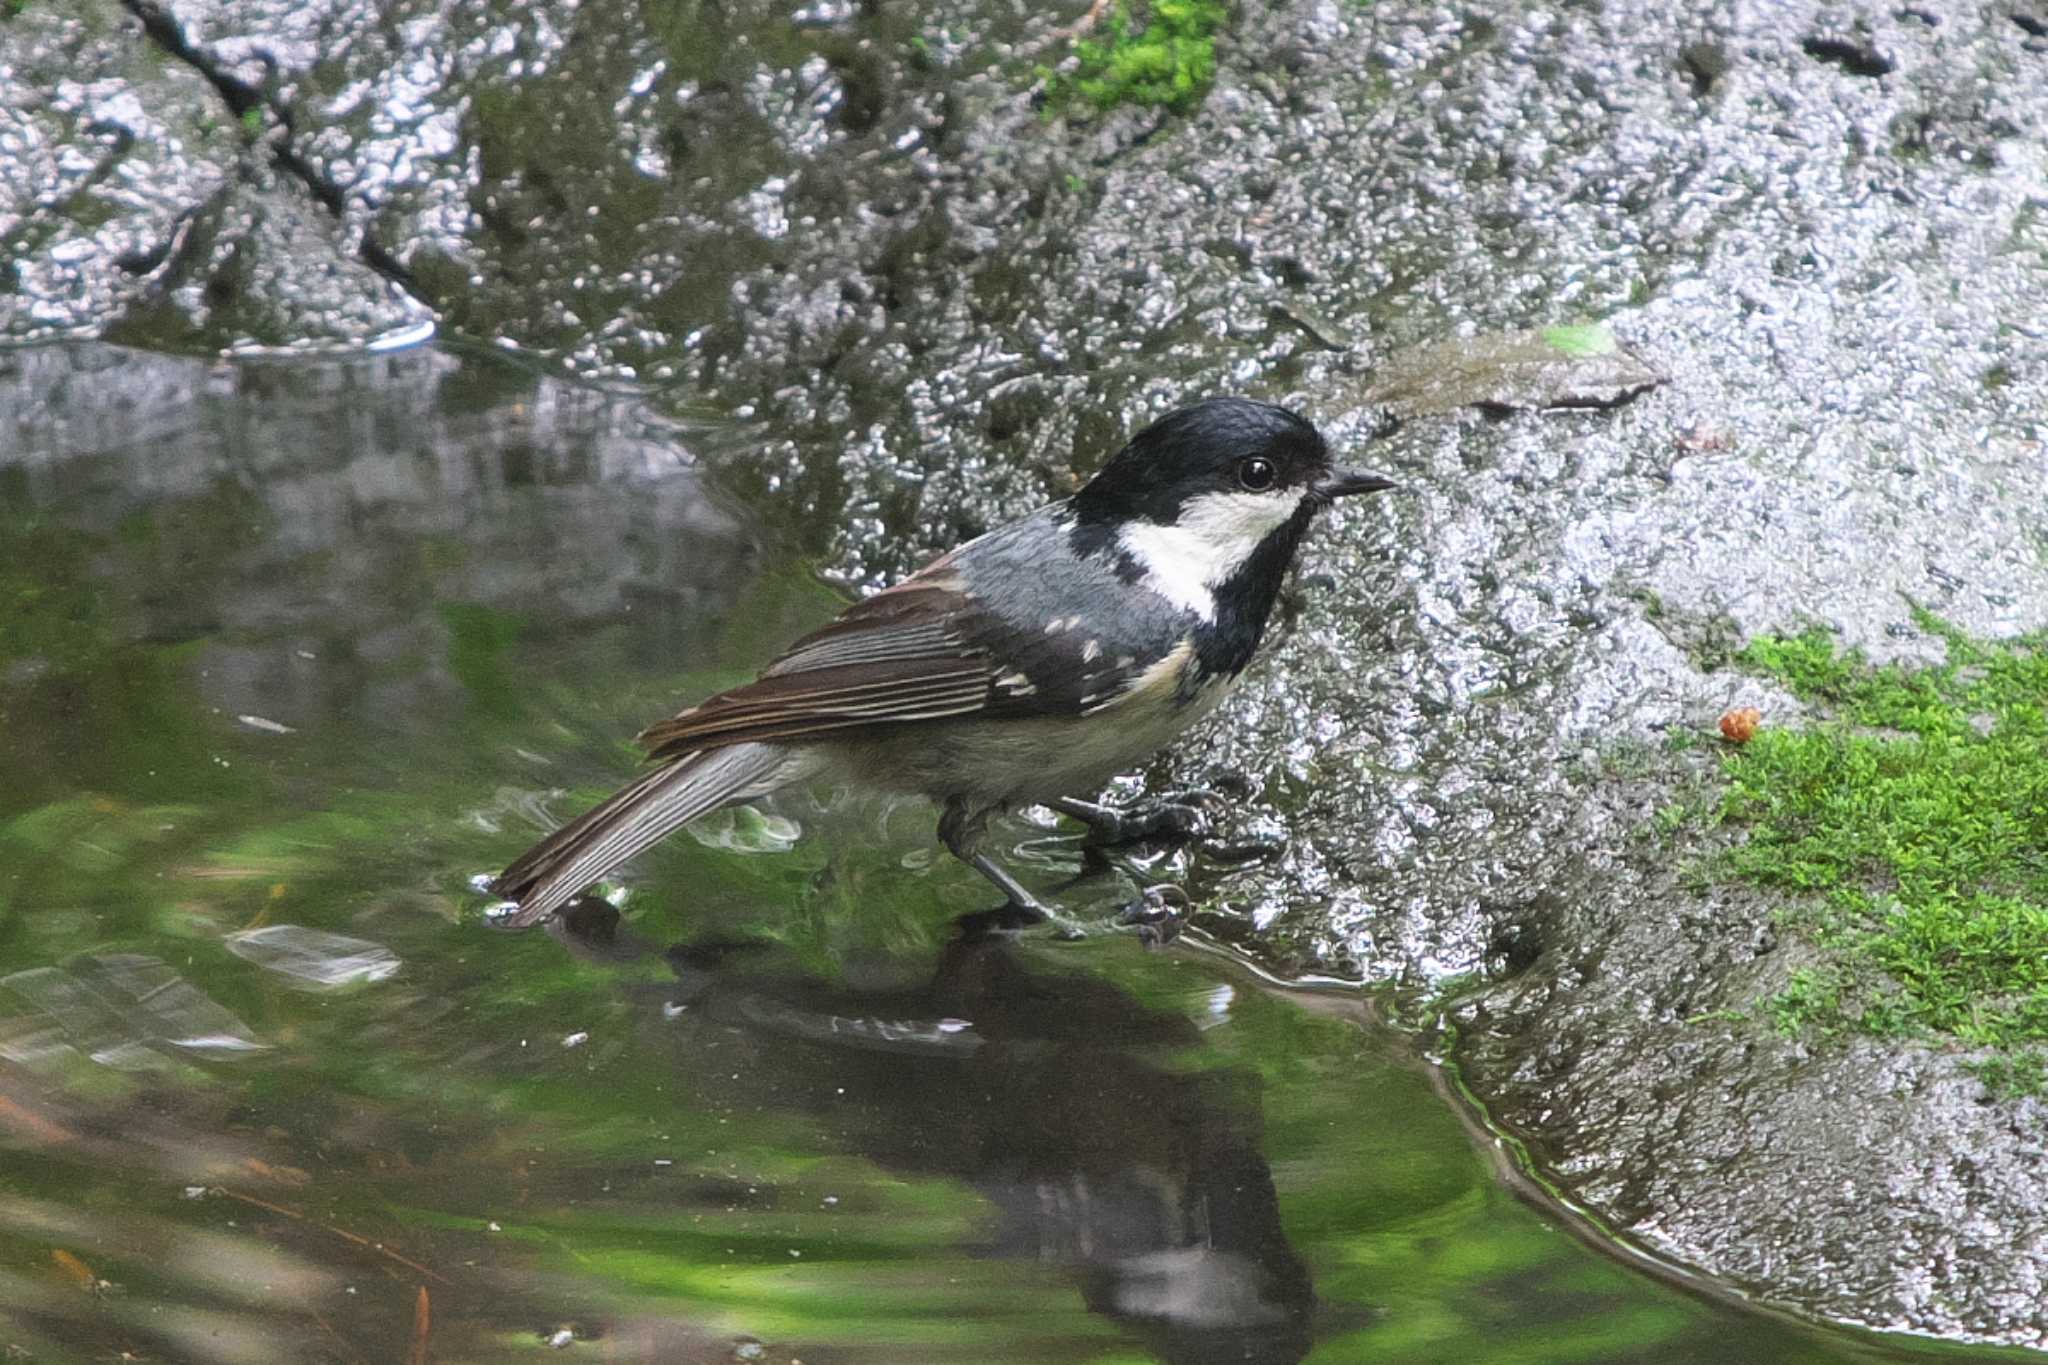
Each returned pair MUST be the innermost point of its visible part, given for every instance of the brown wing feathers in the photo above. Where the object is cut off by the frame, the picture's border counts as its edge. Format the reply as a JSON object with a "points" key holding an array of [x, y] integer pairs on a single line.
{"points": [[794, 705], [892, 658]]}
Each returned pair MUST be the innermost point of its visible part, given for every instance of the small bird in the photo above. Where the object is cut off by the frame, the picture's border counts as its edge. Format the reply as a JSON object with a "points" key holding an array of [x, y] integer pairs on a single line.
{"points": [[1027, 666]]}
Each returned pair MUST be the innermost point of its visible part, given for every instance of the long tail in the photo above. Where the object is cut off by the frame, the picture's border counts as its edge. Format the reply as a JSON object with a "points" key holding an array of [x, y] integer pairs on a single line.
{"points": [[547, 875]]}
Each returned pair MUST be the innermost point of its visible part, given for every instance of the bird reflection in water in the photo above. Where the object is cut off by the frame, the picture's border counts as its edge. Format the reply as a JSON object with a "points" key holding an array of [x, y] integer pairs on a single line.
{"points": [[1051, 1094]]}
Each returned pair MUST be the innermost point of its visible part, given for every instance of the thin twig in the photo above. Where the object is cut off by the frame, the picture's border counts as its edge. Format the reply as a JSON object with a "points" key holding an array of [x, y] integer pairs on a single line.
{"points": [[342, 1233]]}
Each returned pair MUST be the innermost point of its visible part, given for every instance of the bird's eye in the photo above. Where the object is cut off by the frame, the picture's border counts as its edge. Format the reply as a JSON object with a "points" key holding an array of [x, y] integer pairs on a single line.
{"points": [[1256, 474]]}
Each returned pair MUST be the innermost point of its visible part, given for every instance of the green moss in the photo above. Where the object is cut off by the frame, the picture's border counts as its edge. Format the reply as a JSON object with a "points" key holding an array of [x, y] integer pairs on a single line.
{"points": [[1580, 340], [1167, 62], [1912, 820], [2020, 1073], [1811, 1000]]}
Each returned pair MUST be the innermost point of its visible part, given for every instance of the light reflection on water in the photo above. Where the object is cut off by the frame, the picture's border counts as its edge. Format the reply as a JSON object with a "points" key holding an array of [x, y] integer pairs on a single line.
{"points": [[291, 651]]}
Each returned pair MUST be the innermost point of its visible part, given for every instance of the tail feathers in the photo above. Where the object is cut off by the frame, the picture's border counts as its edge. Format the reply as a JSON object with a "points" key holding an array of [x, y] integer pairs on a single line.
{"points": [[631, 820]]}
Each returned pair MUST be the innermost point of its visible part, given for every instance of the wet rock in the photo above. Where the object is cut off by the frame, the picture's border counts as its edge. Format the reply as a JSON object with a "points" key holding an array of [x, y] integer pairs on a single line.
{"points": [[137, 202], [1858, 58], [1890, 1180]]}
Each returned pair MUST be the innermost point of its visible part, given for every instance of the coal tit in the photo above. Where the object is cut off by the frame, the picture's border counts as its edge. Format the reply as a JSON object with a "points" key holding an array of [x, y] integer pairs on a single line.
{"points": [[1027, 666]]}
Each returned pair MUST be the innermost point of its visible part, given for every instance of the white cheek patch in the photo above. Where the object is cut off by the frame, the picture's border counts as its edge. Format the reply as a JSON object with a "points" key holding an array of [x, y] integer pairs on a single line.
{"points": [[1215, 533]]}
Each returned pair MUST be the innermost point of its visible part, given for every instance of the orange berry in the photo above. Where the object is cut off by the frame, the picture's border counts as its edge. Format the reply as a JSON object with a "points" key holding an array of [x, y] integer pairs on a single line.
{"points": [[1739, 723]]}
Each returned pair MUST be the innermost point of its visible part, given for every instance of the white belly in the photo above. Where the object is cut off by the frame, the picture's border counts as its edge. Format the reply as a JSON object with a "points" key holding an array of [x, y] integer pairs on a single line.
{"points": [[1018, 762]]}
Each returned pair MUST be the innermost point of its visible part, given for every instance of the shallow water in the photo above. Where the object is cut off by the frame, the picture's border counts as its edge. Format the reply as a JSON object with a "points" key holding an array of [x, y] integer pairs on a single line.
{"points": [[289, 652]]}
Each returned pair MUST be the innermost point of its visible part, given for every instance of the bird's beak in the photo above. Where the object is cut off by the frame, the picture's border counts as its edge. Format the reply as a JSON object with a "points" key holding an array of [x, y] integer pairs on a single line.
{"points": [[1342, 483]]}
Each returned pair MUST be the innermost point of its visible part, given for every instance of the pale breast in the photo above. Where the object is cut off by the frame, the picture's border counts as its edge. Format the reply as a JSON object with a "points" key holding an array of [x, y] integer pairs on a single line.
{"points": [[1025, 760]]}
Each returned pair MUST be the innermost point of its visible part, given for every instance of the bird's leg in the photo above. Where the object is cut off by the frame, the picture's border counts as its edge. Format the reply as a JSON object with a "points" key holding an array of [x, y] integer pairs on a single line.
{"points": [[1019, 911], [960, 829]]}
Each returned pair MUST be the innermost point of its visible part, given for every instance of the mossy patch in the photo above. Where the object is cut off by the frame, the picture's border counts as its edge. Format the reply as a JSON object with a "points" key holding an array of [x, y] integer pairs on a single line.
{"points": [[1167, 61], [1914, 812]]}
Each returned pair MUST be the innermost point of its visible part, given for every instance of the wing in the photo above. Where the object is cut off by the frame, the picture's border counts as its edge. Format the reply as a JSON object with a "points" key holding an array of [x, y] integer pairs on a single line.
{"points": [[927, 649]]}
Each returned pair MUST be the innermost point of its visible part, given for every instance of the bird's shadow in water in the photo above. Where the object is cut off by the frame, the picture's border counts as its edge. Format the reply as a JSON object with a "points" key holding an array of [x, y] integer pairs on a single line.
{"points": [[1049, 1094]]}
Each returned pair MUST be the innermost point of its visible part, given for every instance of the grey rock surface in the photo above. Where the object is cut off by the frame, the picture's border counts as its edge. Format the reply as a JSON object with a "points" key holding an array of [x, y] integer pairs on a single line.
{"points": [[1825, 224]]}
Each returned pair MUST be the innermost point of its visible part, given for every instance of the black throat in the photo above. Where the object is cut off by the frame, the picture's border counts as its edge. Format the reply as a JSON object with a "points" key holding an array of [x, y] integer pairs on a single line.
{"points": [[1245, 600]]}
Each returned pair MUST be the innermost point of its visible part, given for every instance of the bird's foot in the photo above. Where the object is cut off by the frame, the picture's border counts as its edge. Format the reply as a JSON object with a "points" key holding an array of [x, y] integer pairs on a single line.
{"points": [[1172, 818], [1247, 848], [1158, 915]]}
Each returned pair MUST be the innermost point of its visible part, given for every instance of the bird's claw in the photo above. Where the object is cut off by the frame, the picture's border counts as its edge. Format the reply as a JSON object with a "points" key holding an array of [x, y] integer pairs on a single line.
{"points": [[1167, 821], [1158, 914], [1248, 848], [1173, 818]]}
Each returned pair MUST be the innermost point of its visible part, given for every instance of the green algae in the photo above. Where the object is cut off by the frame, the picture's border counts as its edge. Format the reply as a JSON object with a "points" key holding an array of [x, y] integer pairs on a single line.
{"points": [[1166, 62], [1911, 819]]}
